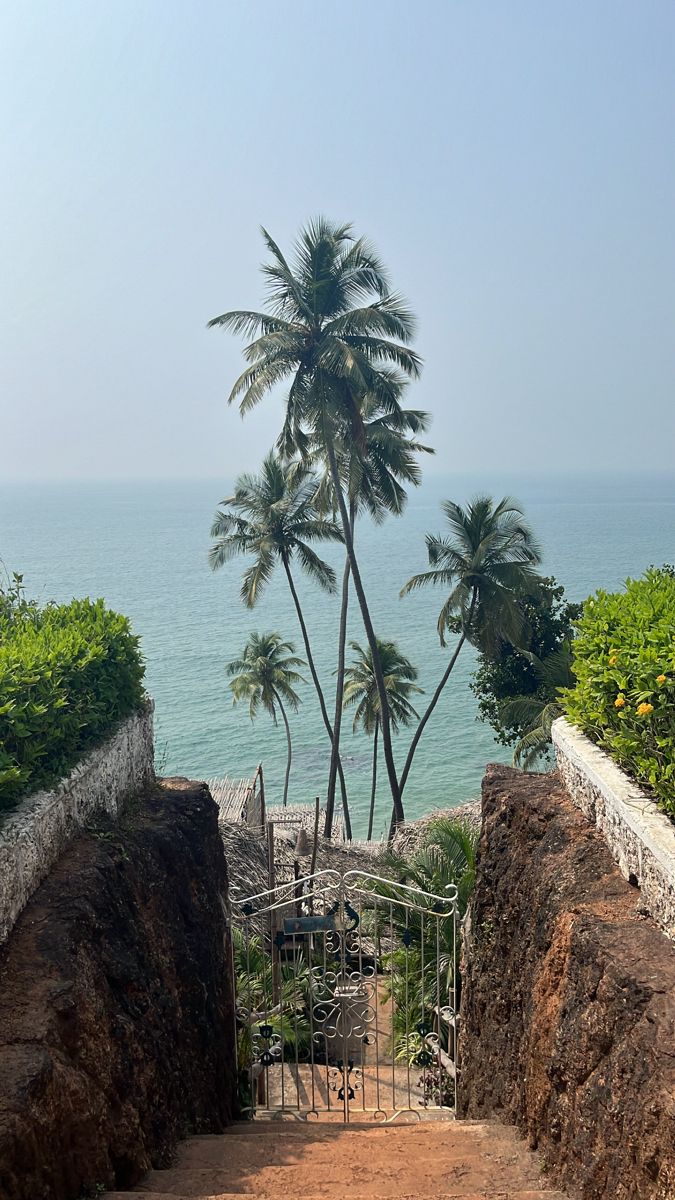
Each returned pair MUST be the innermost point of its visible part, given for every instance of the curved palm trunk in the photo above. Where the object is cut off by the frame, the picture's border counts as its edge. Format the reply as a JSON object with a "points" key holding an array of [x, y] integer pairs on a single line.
{"points": [[399, 815], [319, 692], [436, 696], [373, 789], [335, 760], [288, 743]]}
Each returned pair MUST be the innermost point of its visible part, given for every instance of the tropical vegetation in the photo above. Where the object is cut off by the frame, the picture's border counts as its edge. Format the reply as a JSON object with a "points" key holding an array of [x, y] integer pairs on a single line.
{"points": [[361, 693], [424, 978], [336, 342], [265, 676], [486, 560], [518, 686], [336, 334], [624, 666], [68, 675], [285, 1021], [275, 517]]}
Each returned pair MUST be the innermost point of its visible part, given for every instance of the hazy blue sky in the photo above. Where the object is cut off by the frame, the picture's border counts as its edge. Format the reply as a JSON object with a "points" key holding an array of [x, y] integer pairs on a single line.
{"points": [[513, 161]]}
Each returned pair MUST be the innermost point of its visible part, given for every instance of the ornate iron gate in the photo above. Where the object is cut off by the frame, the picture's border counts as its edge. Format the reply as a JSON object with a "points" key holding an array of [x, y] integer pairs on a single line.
{"points": [[346, 999]]}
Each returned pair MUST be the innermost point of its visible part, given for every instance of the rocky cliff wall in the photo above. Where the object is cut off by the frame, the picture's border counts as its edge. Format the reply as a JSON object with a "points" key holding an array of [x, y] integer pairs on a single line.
{"points": [[116, 1015], [568, 1009]]}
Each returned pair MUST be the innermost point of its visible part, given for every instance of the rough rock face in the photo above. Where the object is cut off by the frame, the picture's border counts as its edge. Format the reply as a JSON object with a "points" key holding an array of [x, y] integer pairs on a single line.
{"points": [[569, 998], [116, 1015]]}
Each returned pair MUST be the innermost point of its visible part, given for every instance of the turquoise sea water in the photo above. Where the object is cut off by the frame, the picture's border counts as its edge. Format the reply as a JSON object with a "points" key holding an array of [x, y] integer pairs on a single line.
{"points": [[143, 547]]}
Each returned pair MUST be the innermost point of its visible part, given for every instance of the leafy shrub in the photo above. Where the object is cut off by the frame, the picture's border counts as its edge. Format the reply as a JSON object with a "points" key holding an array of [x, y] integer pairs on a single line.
{"points": [[13, 600], [624, 662], [518, 672], [68, 674]]}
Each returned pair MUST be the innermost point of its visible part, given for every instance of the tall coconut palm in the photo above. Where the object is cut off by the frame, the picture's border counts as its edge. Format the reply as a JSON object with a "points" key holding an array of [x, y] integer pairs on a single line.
{"points": [[274, 517], [486, 561], [265, 676], [374, 484], [335, 330], [361, 691]]}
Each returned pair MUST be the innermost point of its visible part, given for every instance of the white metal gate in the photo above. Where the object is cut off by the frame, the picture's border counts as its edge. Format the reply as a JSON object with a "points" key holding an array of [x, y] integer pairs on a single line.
{"points": [[346, 992]]}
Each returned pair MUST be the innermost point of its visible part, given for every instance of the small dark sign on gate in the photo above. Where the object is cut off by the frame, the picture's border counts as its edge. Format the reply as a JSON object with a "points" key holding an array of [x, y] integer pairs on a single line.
{"points": [[319, 924]]}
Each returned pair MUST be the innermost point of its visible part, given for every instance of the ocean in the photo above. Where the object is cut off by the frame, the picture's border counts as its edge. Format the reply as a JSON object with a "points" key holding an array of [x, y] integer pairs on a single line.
{"points": [[143, 547]]}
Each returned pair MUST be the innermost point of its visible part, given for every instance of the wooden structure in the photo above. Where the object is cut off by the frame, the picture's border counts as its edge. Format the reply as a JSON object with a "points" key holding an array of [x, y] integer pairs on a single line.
{"points": [[241, 799]]}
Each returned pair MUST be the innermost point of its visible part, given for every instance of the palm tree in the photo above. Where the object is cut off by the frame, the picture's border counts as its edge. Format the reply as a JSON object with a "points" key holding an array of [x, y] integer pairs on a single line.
{"points": [[487, 560], [264, 676], [361, 691], [274, 516], [337, 332], [374, 484]]}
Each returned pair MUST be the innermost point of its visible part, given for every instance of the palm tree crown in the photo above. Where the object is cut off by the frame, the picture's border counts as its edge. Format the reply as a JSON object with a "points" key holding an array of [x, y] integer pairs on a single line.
{"points": [[265, 674], [329, 327], [486, 561], [361, 688], [374, 477], [273, 516], [362, 691]]}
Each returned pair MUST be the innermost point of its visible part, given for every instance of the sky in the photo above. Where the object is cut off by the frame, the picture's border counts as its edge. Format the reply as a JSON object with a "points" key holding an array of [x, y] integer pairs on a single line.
{"points": [[512, 160]]}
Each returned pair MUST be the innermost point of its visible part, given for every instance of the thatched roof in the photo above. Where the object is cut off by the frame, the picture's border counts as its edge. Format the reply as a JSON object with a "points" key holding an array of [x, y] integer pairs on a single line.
{"points": [[246, 855], [231, 796], [246, 847], [409, 836]]}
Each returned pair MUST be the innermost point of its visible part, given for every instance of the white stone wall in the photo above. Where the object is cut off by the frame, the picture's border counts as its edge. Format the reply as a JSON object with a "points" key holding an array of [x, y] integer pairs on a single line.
{"points": [[640, 837], [37, 833]]}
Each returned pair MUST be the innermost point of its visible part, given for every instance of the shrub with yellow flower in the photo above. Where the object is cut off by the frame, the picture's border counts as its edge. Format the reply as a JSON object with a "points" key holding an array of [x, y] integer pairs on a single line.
{"points": [[624, 669]]}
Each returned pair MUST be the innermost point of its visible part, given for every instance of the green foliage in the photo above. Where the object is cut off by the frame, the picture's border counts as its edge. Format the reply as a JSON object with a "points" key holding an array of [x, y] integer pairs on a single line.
{"points": [[487, 558], [518, 685], [425, 974], [13, 600], [265, 674], [361, 687], [273, 517], [254, 985], [337, 337], [624, 662], [68, 674]]}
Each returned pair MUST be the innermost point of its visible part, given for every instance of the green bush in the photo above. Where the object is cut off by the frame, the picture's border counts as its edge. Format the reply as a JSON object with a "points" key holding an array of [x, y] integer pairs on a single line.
{"points": [[624, 662], [68, 674]]}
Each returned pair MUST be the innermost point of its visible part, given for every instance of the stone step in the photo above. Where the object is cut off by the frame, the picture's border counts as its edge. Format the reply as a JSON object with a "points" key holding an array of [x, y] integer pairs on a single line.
{"points": [[393, 1173], [336, 1133], [499, 1194], [326, 1145], [283, 1126], [453, 1160]]}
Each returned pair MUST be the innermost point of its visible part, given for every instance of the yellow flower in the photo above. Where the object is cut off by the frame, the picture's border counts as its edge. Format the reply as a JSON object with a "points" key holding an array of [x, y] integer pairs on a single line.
{"points": [[613, 660], [620, 701], [644, 709], [660, 679]]}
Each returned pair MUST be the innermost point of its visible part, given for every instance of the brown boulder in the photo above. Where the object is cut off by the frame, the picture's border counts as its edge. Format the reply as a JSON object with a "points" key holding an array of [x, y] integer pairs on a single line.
{"points": [[116, 1013], [569, 998]]}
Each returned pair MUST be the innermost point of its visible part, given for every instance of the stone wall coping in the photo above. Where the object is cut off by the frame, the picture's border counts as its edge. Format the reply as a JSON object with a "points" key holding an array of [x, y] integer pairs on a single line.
{"points": [[616, 804], [34, 836]]}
